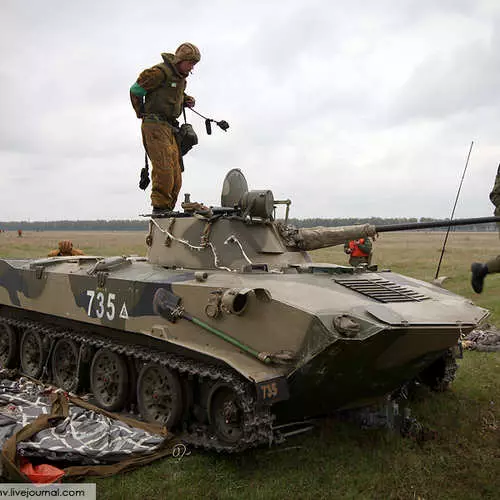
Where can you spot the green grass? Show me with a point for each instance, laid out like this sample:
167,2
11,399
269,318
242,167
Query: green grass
36,244
339,460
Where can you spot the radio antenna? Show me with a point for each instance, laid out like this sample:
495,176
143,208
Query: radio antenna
453,211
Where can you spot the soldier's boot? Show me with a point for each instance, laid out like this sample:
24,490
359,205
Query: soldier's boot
160,210
479,272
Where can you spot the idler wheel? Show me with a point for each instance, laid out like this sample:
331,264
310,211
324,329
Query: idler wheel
32,352
65,365
8,347
109,379
159,395
226,414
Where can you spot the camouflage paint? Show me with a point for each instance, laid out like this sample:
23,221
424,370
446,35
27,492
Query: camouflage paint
16,283
297,313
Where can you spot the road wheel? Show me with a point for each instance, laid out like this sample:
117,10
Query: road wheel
226,414
9,356
109,379
32,353
65,365
159,395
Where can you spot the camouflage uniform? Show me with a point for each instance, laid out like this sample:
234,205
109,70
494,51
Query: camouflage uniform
479,270
364,245
65,248
158,98
494,264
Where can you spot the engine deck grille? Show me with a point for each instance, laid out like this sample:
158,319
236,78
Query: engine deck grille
381,289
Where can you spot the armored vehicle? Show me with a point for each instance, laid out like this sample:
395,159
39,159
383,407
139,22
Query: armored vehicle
227,323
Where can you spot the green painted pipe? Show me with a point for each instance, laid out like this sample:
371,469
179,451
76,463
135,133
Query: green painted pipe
167,304
227,338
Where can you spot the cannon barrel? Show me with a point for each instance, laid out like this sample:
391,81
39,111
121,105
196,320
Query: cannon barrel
427,225
322,237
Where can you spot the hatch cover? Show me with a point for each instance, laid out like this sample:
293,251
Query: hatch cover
381,289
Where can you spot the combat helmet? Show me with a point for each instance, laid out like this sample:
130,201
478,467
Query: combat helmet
187,52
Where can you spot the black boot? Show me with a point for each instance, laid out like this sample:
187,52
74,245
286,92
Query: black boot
160,210
479,271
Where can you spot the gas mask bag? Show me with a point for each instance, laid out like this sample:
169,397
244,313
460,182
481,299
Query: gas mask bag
187,138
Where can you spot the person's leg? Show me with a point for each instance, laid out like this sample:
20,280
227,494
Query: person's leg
480,270
160,145
493,265
177,174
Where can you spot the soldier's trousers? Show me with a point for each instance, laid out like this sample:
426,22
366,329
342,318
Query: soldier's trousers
161,147
494,264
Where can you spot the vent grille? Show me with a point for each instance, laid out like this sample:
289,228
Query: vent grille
381,289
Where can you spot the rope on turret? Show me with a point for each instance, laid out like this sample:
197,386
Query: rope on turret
233,239
216,260
193,247
179,240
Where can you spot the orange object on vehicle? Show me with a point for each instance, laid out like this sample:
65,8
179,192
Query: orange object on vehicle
41,474
355,250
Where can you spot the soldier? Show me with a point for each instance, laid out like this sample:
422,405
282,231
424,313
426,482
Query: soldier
158,99
359,251
480,270
65,248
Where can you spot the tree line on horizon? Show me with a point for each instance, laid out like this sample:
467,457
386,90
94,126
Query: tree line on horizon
142,225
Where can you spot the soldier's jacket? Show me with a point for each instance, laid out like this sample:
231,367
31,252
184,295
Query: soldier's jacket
164,90
365,247
495,193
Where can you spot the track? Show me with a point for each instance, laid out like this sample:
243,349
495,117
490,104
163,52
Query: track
255,420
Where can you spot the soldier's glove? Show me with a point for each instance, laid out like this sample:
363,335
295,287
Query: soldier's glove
223,125
144,181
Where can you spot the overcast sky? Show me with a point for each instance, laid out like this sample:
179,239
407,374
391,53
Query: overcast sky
349,108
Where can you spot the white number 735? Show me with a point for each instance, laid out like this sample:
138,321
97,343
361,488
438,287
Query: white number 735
100,309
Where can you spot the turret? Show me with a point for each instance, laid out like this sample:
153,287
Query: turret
242,235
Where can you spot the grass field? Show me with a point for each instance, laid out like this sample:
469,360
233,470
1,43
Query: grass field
339,460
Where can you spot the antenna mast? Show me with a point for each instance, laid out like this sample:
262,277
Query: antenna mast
453,211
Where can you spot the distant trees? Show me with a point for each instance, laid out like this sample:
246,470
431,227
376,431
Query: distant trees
78,225
142,225
379,221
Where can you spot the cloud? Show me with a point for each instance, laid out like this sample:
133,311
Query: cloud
349,108
445,85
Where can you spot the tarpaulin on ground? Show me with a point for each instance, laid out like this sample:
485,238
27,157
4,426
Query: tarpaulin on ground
485,338
40,424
